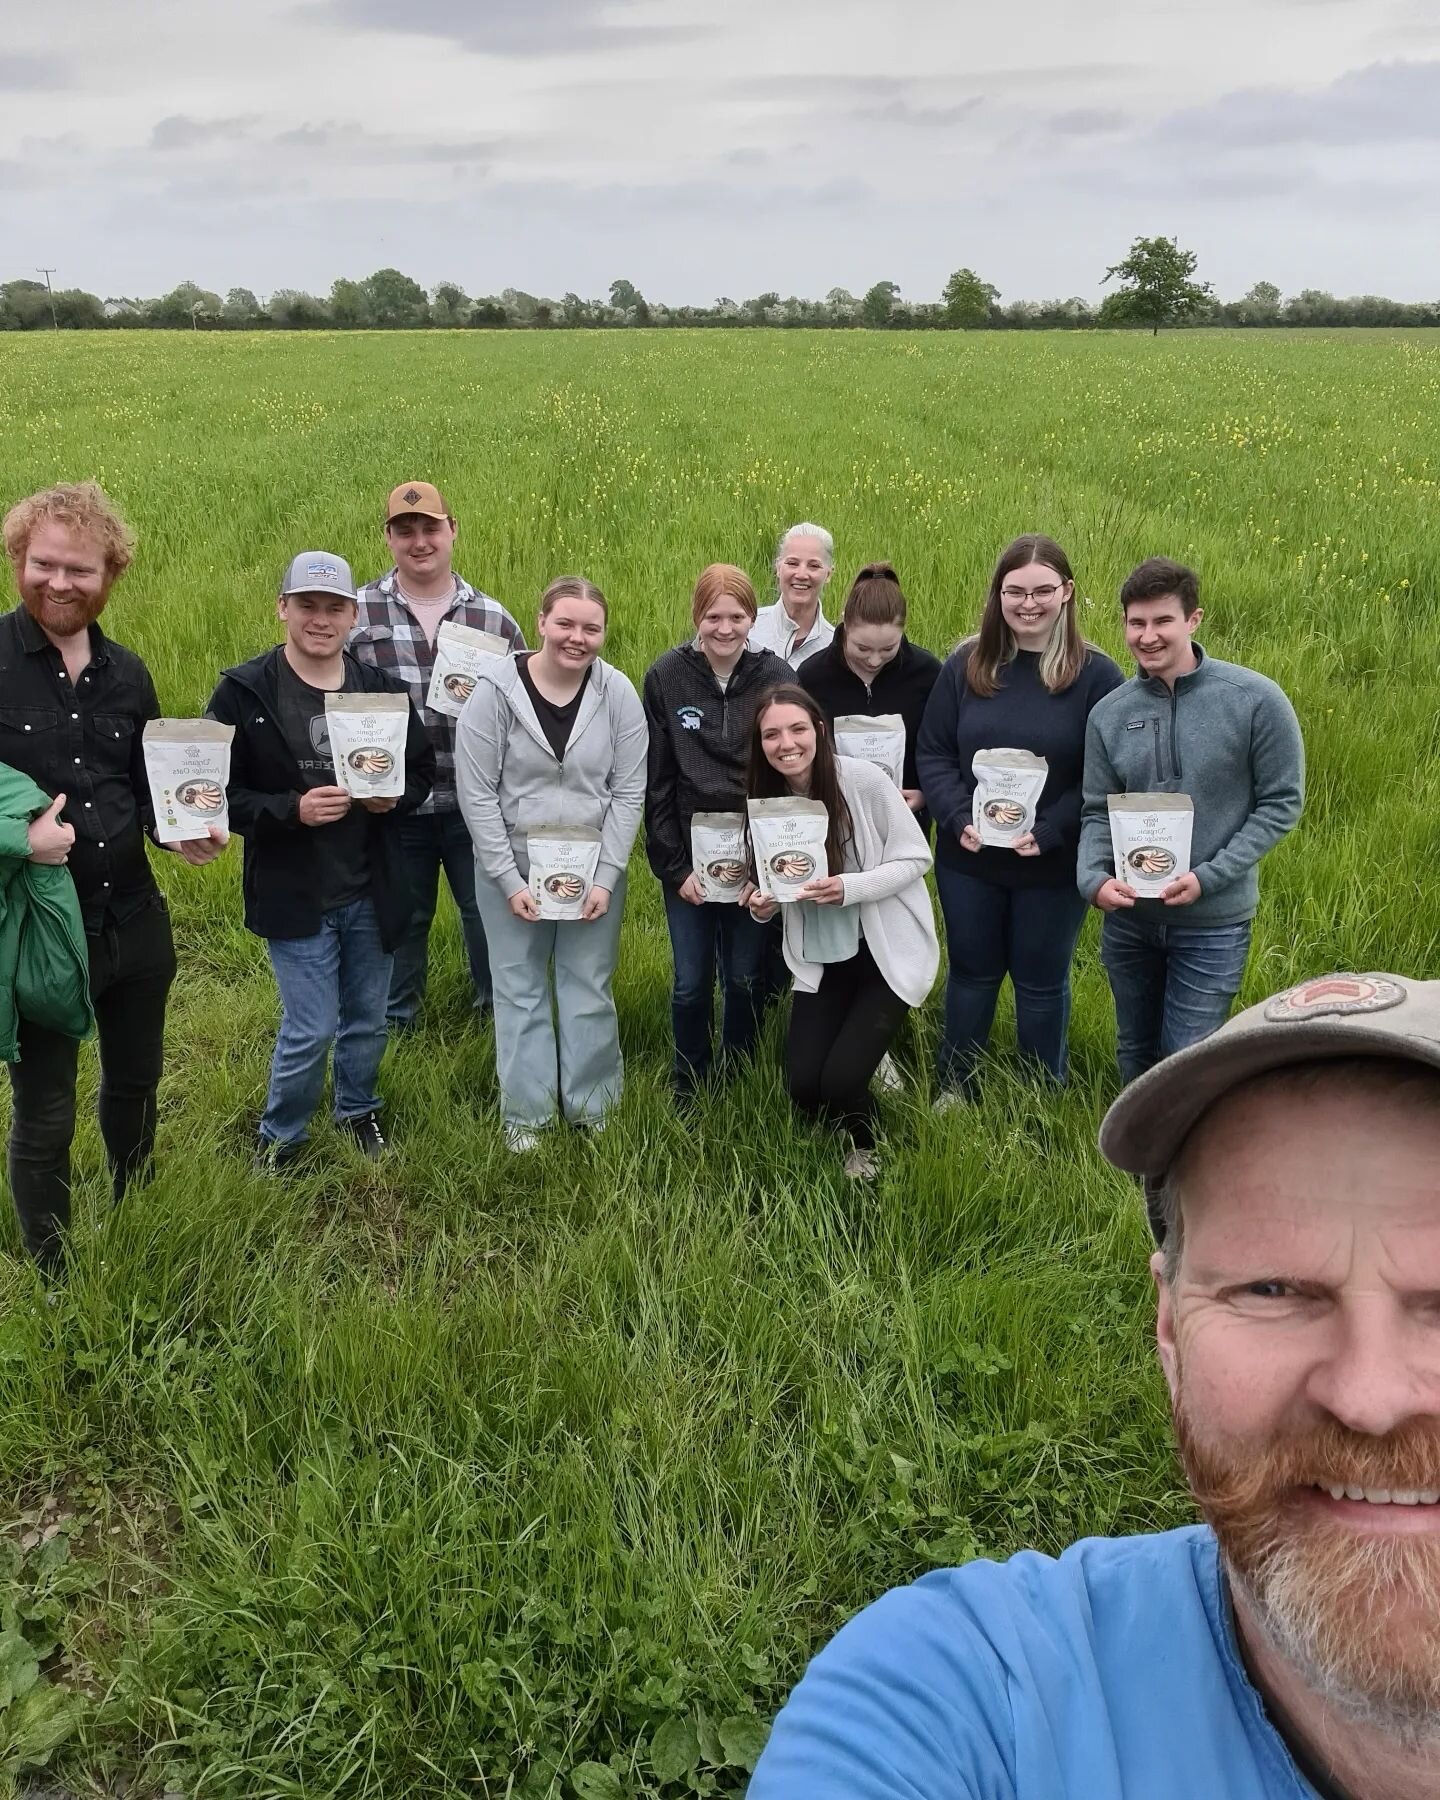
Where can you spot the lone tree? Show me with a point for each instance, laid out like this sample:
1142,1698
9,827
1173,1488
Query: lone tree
879,303
967,300
1156,288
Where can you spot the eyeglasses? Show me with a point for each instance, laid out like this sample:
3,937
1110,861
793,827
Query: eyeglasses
1048,592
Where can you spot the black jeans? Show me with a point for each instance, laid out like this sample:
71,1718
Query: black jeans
838,1035
131,968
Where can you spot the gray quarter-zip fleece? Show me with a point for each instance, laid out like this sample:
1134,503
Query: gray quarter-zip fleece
509,780
1226,736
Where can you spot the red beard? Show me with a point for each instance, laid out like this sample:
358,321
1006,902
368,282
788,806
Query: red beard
62,621
1357,1613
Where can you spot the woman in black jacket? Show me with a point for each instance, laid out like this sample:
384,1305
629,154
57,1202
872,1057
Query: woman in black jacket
871,667
700,702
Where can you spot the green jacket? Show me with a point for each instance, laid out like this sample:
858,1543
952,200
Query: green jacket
44,964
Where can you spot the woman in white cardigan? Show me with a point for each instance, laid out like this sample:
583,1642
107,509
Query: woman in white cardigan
553,737
860,941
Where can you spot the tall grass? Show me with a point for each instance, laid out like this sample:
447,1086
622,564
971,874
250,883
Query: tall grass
467,1475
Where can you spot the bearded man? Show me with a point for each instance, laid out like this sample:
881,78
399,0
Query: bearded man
73,707
1290,1646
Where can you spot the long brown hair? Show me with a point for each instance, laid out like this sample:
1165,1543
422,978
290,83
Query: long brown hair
875,597
1063,657
764,782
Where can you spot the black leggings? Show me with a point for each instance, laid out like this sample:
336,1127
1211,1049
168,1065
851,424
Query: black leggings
838,1035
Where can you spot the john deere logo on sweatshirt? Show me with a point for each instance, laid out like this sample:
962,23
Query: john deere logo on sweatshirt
689,717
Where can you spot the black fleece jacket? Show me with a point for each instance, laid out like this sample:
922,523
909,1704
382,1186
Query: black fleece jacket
281,886
902,686
699,746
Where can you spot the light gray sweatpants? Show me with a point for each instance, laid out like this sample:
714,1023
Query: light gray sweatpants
588,1072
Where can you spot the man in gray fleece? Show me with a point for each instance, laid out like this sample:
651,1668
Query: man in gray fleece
1185,723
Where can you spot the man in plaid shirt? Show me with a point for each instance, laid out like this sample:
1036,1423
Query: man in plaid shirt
399,615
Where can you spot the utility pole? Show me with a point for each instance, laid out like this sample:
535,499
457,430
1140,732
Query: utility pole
50,294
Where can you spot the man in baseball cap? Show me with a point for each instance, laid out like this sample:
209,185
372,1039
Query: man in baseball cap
324,885
1291,1644
400,614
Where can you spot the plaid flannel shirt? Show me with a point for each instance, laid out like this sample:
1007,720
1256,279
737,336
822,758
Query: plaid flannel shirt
388,635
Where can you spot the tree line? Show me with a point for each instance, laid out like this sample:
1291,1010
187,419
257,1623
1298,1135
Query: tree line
1155,287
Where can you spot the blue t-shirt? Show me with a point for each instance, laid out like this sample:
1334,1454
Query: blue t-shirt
1111,1673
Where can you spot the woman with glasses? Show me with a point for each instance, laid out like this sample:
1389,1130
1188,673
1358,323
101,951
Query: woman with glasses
1026,681
871,667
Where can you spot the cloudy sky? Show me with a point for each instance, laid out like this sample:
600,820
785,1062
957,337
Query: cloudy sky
708,147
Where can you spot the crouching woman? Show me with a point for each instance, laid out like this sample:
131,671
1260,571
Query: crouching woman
553,737
859,941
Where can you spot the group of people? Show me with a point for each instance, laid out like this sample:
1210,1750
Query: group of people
1288,1647
743,710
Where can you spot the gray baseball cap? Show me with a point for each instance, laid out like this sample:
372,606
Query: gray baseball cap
1320,1020
318,572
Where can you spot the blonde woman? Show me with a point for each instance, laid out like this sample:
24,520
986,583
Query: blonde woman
553,736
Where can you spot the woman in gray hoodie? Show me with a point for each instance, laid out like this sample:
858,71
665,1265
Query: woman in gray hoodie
553,737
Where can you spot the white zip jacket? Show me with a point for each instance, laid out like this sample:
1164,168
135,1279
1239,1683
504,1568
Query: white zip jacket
891,855
509,780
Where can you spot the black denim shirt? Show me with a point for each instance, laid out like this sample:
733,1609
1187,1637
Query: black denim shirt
83,739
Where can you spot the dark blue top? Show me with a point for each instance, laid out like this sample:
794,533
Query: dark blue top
1022,714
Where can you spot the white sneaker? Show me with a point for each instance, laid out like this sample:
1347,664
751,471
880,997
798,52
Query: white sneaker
948,1100
888,1077
520,1138
862,1165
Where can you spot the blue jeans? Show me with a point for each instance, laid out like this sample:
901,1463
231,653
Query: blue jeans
332,991
430,842
1173,984
1028,934
704,939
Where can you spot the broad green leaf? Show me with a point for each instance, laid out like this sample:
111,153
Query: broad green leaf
743,1738
674,1750
593,1781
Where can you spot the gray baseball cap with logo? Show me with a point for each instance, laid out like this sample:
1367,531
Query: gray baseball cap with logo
1320,1020
318,572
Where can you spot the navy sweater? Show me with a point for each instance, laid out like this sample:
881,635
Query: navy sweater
1021,715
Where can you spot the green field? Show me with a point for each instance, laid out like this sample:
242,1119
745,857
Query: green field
458,1475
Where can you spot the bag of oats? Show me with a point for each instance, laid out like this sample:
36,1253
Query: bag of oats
460,651
718,855
367,743
563,860
878,739
788,835
187,764
1008,786
1150,836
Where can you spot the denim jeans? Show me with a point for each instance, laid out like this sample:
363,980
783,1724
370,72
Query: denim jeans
430,842
703,940
131,968
1028,934
1173,984
332,991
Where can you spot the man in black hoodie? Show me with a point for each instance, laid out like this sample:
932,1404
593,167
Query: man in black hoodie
322,880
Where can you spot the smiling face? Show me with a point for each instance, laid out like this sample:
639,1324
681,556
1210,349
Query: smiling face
723,629
422,547
571,633
1032,598
1158,635
802,569
787,737
869,647
316,625
1300,1336
63,578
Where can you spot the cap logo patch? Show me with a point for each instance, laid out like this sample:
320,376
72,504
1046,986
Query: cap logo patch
1335,996
321,571
410,496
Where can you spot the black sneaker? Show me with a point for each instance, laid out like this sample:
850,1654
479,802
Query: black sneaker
274,1158
365,1129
